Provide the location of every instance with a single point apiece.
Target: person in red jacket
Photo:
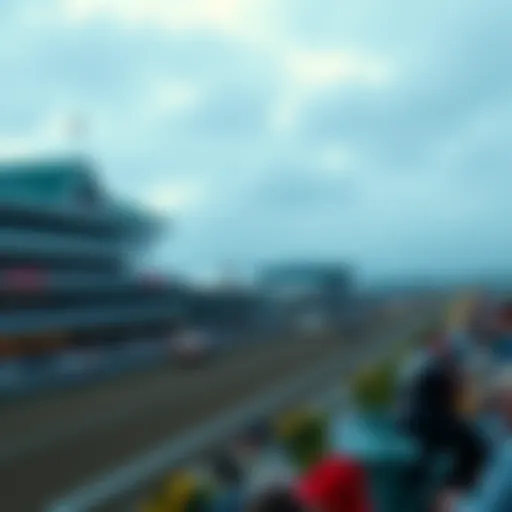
(335, 484)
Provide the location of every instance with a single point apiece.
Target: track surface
(51, 445)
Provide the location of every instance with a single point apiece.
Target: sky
(370, 131)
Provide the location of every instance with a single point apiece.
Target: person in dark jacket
(433, 417)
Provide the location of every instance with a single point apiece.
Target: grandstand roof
(41, 180)
(69, 182)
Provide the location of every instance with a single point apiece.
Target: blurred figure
(336, 484)
(494, 493)
(227, 469)
(475, 328)
(502, 346)
(432, 415)
(474, 344)
(276, 499)
(229, 477)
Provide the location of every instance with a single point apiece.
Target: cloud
(229, 17)
(53, 135)
(174, 198)
(312, 70)
(300, 191)
(371, 130)
(170, 96)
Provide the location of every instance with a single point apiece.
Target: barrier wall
(73, 366)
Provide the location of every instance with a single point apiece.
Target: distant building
(225, 308)
(319, 292)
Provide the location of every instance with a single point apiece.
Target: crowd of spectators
(453, 404)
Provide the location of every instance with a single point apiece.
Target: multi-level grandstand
(67, 257)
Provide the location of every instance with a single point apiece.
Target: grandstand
(68, 285)
(328, 440)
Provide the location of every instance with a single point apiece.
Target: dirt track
(50, 446)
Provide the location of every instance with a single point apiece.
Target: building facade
(67, 253)
(314, 292)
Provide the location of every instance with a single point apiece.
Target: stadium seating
(364, 430)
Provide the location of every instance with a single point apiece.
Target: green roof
(53, 182)
(40, 181)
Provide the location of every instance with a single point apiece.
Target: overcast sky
(376, 131)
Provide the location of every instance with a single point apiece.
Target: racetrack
(54, 444)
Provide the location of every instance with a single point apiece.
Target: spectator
(276, 499)
(336, 484)
(433, 347)
(502, 346)
(494, 494)
(486, 343)
(229, 477)
(478, 330)
(227, 469)
(432, 416)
